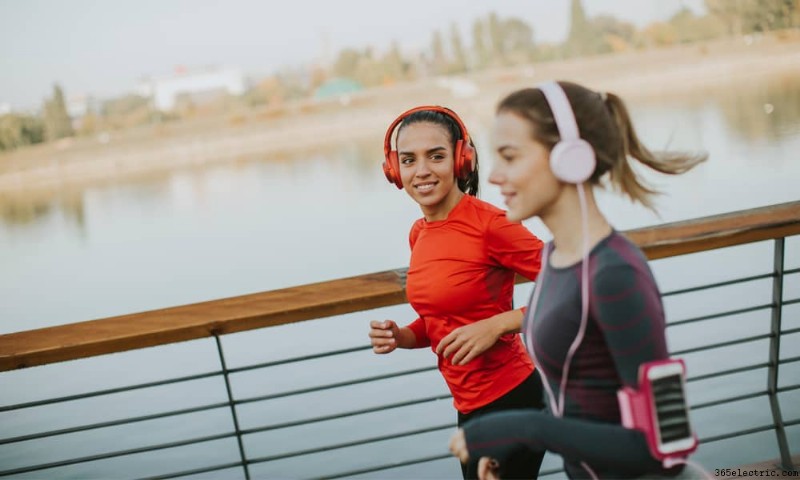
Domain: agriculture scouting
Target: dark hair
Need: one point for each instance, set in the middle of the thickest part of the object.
(604, 122)
(468, 185)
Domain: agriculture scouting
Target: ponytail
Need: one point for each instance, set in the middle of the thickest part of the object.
(622, 176)
(604, 122)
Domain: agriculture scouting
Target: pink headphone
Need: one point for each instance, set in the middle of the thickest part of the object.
(572, 158)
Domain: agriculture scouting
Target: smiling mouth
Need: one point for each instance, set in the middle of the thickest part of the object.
(425, 187)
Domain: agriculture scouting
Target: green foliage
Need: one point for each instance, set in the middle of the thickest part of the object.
(689, 27)
(495, 40)
(20, 130)
(480, 44)
(437, 48)
(750, 16)
(57, 123)
(128, 111)
(582, 39)
(368, 71)
(459, 63)
(394, 67)
(123, 105)
(346, 63)
(502, 42)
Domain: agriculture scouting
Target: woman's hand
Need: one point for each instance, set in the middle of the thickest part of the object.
(465, 343)
(384, 336)
(458, 446)
(487, 467)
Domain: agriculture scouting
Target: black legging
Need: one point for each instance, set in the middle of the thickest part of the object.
(520, 464)
(612, 451)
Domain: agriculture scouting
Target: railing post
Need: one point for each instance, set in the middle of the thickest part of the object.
(774, 354)
(233, 408)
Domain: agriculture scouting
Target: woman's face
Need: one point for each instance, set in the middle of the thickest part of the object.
(425, 153)
(522, 170)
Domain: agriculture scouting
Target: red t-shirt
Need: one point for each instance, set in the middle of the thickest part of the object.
(462, 271)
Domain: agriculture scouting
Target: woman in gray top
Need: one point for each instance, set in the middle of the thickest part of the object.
(596, 315)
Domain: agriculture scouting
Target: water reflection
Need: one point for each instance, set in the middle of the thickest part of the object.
(770, 111)
(29, 208)
(755, 109)
(24, 209)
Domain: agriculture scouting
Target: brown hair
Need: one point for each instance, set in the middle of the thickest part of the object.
(604, 122)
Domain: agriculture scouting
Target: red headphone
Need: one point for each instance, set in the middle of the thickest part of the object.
(464, 154)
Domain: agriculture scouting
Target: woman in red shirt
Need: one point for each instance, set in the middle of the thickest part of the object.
(464, 255)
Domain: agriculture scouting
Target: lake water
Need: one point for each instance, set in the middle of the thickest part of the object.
(238, 228)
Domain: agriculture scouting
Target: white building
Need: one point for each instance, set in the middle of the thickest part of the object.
(165, 90)
(79, 105)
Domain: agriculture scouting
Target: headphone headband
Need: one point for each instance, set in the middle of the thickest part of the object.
(562, 110)
(387, 141)
(572, 159)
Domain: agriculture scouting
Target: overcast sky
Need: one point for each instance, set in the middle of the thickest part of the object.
(103, 47)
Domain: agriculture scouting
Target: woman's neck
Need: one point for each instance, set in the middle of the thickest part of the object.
(441, 210)
(564, 220)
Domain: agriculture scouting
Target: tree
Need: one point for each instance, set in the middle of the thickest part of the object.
(437, 48)
(126, 111)
(496, 46)
(659, 34)
(368, 71)
(609, 26)
(479, 44)
(57, 123)
(578, 30)
(748, 16)
(517, 41)
(689, 27)
(394, 68)
(584, 36)
(459, 63)
(20, 130)
(346, 63)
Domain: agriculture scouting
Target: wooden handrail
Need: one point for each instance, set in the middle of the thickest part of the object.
(346, 295)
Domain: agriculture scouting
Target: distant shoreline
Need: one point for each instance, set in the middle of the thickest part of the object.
(635, 75)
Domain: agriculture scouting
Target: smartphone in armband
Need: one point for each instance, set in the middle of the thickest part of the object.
(659, 409)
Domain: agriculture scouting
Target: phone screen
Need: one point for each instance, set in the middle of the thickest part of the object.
(670, 405)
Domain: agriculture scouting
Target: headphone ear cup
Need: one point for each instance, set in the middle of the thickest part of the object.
(464, 157)
(458, 159)
(572, 161)
(468, 154)
(391, 168)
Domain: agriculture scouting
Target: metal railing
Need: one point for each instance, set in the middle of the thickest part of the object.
(54, 344)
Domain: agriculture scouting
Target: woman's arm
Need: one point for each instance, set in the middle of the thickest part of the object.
(626, 306)
(514, 247)
(465, 343)
(603, 446)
